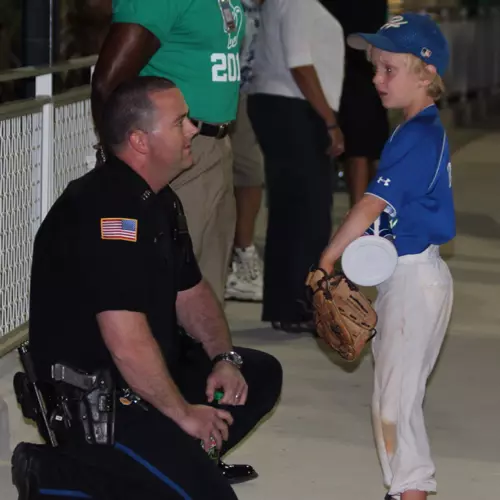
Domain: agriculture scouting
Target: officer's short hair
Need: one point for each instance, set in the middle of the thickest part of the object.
(130, 108)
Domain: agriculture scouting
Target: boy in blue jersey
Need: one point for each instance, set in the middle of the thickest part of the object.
(412, 185)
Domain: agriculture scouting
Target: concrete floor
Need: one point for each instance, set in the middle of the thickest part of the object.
(318, 443)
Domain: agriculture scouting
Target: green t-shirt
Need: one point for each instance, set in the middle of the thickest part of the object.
(196, 52)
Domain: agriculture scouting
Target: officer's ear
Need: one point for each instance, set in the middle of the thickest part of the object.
(138, 140)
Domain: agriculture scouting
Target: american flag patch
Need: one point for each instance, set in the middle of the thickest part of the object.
(115, 228)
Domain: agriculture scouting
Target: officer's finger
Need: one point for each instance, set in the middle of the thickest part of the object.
(229, 394)
(222, 428)
(210, 390)
(225, 415)
(243, 395)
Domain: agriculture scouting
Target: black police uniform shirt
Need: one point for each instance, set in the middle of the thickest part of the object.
(108, 243)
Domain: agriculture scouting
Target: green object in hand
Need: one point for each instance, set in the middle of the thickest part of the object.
(213, 452)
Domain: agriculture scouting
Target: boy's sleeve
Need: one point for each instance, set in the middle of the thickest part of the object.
(157, 16)
(406, 169)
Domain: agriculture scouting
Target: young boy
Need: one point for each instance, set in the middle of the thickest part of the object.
(413, 185)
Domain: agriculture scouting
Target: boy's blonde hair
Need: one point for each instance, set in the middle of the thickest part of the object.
(436, 87)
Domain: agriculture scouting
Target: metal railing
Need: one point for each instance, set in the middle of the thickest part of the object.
(45, 142)
(48, 141)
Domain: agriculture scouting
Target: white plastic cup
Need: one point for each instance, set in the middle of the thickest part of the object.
(371, 259)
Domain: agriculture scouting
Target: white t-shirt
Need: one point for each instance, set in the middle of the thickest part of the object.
(298, 33)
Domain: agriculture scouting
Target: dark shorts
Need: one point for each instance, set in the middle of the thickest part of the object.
(362, 117)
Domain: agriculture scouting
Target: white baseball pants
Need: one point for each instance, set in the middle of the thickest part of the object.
(413, 307)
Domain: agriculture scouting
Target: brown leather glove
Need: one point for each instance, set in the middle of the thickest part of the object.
(344, 317)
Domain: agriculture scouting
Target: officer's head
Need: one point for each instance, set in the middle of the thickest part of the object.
(146, 125)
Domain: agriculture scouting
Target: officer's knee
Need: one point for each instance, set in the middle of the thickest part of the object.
(265, 377)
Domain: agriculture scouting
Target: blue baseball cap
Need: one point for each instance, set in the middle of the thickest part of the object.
(408, 33)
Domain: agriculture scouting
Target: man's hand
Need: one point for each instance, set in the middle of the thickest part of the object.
(206, 423)
(337, 145)
(229, 379)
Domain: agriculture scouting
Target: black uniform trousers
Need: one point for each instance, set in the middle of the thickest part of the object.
(153, 458)
(299, 184)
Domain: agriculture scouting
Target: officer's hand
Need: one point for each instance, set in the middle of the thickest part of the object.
(206, 423)
(229, 379)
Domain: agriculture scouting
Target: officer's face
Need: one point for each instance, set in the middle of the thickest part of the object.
(169, 143)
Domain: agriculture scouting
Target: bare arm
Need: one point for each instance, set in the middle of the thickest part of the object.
(200, 314)
(355, 224)
(308, 82)
(139, 360)
(125, 51)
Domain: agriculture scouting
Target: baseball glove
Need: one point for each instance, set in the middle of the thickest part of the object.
(344, 317)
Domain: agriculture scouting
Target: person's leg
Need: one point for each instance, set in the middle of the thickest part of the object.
(245, 279)
(414, 307)
(248, 203)
(248, 166)
(299, 186)
(208, 201)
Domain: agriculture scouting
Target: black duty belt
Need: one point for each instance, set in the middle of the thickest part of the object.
(217, 130)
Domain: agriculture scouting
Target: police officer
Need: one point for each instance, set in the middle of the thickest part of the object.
(113, 278)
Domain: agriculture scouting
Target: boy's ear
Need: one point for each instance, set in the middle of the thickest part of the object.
(428, 75)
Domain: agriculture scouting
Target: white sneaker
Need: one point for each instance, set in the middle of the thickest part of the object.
(245, 280)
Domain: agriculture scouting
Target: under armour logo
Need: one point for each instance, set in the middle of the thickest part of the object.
(395, 22)
(383, 181)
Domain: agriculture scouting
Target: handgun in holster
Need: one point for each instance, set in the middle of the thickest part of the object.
(74, 403)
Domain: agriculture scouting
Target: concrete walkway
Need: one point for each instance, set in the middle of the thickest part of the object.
(318, 443)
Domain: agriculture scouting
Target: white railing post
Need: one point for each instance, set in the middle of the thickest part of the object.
(44, 89)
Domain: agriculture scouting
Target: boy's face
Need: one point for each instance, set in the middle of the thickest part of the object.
(396, 84)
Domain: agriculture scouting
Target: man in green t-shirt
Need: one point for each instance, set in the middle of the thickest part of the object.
(195, 44)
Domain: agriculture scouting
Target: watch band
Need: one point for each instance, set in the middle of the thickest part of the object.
(231, 357)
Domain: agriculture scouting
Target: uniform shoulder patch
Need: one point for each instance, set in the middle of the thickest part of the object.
(117, 228)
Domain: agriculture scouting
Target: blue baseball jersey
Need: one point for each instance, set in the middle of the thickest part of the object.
(414, 178)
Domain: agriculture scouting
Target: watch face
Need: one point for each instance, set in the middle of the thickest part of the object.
(237, 358)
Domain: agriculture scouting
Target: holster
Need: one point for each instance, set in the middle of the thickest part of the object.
(74, 405)
(89, 399)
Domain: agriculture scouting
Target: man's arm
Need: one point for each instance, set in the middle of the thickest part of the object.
(200, 314)
(126, 50)
(308, 82)
(139, 359)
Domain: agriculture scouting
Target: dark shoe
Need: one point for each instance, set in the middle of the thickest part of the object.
(237, 473)
(388, 497)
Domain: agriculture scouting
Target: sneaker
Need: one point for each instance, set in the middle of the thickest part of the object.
(245, 281)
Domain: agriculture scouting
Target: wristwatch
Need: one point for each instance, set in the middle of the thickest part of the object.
(231, 357)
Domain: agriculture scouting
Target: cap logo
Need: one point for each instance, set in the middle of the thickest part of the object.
(425, 52)
(395, 22)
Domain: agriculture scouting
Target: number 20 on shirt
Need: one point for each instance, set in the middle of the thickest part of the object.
(225, 67)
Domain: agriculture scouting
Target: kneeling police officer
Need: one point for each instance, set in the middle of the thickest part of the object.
(130, 398)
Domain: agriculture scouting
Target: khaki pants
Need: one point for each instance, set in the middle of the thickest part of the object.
(206, 192)
(414, 308)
